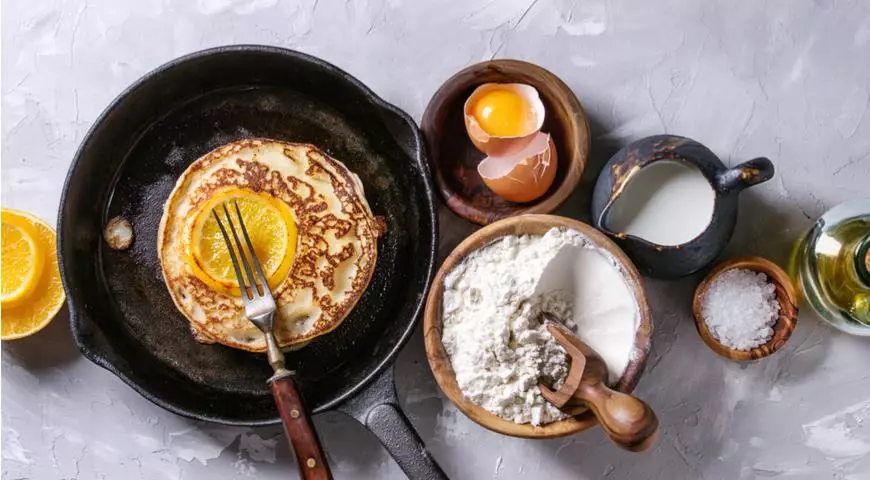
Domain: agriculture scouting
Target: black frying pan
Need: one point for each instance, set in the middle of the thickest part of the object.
(122, 316)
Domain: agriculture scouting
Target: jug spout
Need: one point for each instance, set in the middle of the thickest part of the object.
(747, 174)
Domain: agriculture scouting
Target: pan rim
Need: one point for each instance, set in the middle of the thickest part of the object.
(419, 156)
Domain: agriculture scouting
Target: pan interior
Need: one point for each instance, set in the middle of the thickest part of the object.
(137, 316)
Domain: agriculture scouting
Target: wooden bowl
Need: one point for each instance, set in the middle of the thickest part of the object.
(433, 327)
(785, 295)
(454, 158)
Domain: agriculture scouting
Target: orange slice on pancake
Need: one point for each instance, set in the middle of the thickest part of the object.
(271, 228)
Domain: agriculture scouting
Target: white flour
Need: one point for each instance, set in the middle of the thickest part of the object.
(492, 332)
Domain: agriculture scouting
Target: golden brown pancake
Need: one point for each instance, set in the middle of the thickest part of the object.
(336, 246)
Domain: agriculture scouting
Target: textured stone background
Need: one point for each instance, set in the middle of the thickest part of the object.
(789, 79)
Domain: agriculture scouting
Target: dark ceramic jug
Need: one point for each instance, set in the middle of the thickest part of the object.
(673, 261)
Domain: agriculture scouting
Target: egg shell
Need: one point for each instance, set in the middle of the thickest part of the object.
(529, 179)
(498, 145)
(118, 233)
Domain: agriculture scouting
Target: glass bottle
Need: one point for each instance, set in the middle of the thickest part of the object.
(832, 266)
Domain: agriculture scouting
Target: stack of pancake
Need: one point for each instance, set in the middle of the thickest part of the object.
(311, 226)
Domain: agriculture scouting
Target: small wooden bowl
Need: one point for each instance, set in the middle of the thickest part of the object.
(454, 158)
(433, 326)
(785, 295)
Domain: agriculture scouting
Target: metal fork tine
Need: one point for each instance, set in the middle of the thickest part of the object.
(235, 261)
(254, 259)
(255, 293)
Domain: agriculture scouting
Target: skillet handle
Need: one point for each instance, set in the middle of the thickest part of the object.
(377, 408)
(300, 430)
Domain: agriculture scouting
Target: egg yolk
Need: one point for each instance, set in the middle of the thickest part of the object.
(504, 113)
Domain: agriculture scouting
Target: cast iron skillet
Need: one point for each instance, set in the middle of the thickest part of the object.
(122, 316)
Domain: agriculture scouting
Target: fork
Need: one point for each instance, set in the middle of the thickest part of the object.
(260, 310)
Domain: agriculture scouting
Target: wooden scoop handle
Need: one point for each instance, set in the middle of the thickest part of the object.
(300, 430)
(627, 420)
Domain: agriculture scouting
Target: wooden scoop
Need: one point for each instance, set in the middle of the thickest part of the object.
(628, 421)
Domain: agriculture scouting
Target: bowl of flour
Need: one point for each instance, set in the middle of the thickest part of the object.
(486, 343)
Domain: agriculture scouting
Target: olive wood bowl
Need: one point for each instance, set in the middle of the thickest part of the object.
(453, 158)
(785, 295)
(433, 327)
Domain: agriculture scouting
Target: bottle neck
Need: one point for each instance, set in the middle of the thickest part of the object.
(862, 260)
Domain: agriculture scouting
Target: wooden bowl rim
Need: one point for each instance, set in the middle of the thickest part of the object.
(467, 78)
(432, 324)
(785, 323)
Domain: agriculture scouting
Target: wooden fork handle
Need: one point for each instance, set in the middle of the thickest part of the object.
(627, 420)
(300, 430)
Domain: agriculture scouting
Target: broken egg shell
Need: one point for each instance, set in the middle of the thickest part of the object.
(528, 178)
(498, 145)
(118, 233)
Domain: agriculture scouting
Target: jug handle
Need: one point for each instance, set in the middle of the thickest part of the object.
(747, 174)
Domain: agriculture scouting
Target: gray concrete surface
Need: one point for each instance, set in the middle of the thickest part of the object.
(789, 79)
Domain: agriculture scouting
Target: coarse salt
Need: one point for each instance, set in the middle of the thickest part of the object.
(739, 308)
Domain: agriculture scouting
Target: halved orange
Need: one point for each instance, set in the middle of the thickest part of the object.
(44, 299)
(269, 223)
(22, 259)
